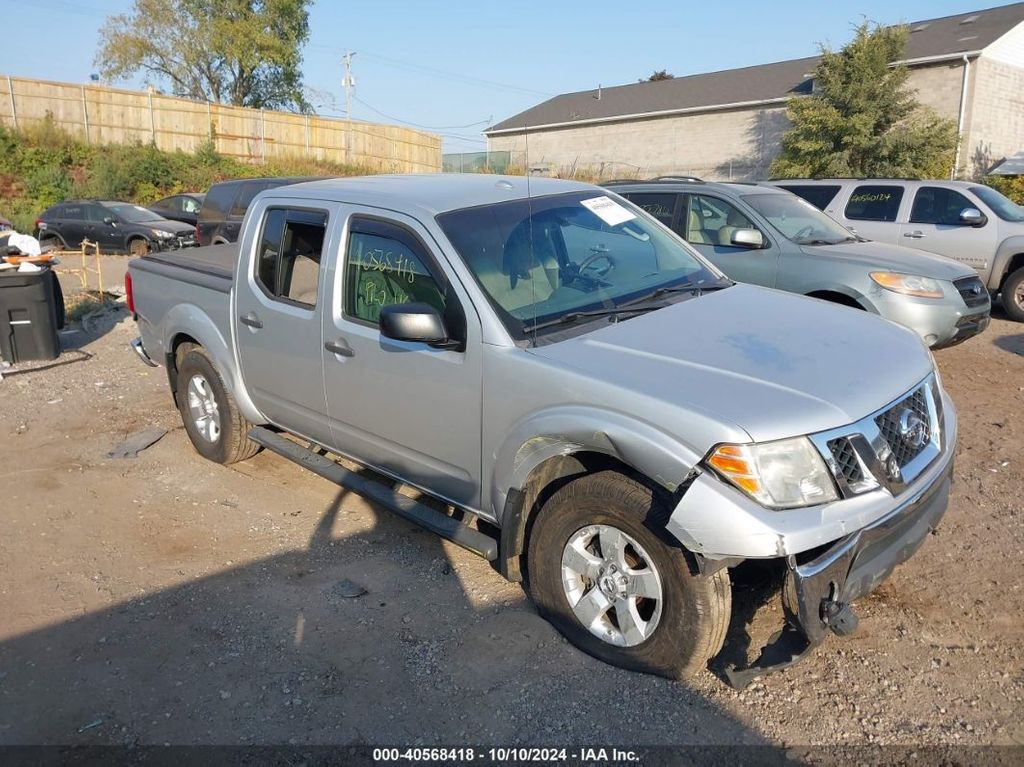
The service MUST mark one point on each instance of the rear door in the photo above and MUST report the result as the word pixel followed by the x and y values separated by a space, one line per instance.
pixel 708 224
pixel 278 313
pixel 873 211
pixel 408 409
pixel 71 224
pixel 934 225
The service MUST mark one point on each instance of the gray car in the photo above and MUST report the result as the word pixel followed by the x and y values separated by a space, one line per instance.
pixel 767 236
pixel 616 424
pixel 963 220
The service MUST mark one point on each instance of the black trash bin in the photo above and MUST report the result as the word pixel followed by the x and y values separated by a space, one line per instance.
pixel 28 316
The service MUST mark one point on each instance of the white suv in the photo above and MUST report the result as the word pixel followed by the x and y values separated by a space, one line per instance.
pixel 965 221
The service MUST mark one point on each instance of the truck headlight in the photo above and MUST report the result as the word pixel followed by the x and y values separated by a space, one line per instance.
pixel 163 234
pixel 786 474
pixel 908 284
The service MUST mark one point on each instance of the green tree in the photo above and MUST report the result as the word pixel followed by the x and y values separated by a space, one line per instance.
pixel 661 74
pixel 241 52
pixel 862 119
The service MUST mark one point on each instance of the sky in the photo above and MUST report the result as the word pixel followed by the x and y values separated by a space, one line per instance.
pixel 455 67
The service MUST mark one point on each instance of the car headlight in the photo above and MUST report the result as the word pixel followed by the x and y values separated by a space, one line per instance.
pixel 163 234
pixel 908 284
pixel 786 474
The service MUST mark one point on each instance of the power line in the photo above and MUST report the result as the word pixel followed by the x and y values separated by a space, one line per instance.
pixel 417 125
pixel 440 73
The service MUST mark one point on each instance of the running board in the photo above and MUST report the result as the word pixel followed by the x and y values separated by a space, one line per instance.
pixel 412 510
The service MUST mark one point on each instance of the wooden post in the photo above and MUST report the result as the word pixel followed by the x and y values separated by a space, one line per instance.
pixel 263 134
pixel 152 124
pixel 85 116
pixel 14 108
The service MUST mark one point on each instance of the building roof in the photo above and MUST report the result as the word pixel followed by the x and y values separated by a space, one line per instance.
pixel 946 36
pixel 1011 166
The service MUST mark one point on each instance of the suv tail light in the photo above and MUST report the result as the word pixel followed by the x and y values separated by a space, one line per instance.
pixel 197 233
pixel 129 297
pixel 38 222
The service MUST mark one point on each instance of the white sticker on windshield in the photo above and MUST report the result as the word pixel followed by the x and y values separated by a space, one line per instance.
pixel 607 210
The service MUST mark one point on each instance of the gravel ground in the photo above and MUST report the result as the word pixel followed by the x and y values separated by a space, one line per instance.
pixel 166 599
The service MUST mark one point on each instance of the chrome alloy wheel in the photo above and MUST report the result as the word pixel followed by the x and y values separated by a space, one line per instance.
pixel 202 407
pixel 612 585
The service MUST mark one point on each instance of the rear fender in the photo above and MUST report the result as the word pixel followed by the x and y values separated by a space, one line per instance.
pixel 189 320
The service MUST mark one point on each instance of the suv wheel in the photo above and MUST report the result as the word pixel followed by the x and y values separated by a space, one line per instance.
pixel 1013 295
pixel 138 247
pixel 211 418
pixel 602 571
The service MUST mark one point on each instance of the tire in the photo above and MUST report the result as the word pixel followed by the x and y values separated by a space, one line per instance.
pixel 138 247
pixel 212 421
pixel 1013 295
pixel 678 633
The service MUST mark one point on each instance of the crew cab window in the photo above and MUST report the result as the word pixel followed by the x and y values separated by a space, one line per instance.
pixel 874 203
pixel 386 265
pixel 935 205
pixel 818 195
pixel 712 221
pixel 660 205
pixel 288 261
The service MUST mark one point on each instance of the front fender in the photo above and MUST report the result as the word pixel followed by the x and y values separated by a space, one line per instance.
pixel 1008 248
pixel 571 429
pixel 189 320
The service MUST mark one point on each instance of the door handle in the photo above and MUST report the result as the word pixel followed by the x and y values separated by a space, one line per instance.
pixel 916 234
pixel 251 320
pixel 340 347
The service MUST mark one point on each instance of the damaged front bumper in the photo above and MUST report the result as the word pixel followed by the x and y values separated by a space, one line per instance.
pixel 821 584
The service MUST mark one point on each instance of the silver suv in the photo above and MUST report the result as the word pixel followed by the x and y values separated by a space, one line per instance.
pixel 765 236
pixel 963 220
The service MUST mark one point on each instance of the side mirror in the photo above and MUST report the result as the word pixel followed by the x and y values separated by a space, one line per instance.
pixel 415 322
pixel 108 220
pixel 747 238
pixel 972 217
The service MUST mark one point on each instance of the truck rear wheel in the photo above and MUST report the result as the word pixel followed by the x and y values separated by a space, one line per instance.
pixel 211 418
pixel 1013 295
pixel 601 569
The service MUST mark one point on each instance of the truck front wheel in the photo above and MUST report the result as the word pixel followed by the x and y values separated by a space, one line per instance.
pixel 211 418
pixel 602 570
pixel 1013 295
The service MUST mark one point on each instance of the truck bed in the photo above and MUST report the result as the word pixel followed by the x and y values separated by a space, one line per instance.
pixel 211 265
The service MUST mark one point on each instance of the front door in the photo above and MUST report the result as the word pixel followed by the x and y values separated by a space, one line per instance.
pixel 935 226
pixel 708 225
pixel 278 314
pixel 408 409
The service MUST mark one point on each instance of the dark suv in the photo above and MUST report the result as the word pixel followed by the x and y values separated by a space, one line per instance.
pixel 118 227
pixel 220 217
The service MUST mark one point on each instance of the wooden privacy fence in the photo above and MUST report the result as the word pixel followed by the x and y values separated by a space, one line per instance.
pixel 102 115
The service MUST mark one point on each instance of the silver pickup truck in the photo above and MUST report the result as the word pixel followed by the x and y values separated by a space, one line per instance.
pixel 594 407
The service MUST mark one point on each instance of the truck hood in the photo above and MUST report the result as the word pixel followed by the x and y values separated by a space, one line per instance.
pixel 773 364
pixel 894 258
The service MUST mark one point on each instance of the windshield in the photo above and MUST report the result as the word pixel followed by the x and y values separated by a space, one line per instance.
pixel 134 214
pixel 1002 206
pixel 797 220
pixel 545 260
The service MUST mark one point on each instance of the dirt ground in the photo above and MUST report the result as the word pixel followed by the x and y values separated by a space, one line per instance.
pixel 165 599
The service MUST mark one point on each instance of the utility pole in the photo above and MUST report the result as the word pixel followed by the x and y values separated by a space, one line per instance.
pixel 349 83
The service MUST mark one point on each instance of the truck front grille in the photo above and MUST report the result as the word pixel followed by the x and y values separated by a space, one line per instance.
pixel 847 464
pixel 906 427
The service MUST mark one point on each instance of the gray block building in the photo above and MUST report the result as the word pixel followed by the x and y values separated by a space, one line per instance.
pixel 728 125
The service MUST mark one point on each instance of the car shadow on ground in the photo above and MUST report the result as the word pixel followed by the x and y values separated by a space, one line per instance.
pixel 1012 343
pixel 280 650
